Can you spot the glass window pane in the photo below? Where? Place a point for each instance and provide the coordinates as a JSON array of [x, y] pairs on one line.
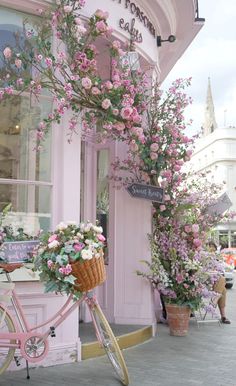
[[103, 192], [233, 239], [30, 205], [224, 239], [18, 160]]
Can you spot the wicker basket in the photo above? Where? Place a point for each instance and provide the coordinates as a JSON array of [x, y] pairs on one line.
[[89, 273]]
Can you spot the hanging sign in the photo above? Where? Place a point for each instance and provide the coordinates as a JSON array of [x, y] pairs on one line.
[[147, 192], [220, 206], [17, 251]]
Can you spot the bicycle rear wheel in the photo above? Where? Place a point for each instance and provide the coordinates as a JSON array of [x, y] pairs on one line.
[[109, 343], [6, 354]]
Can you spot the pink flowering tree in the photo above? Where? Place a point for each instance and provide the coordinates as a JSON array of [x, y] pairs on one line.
[[60, 54], [158, 150]]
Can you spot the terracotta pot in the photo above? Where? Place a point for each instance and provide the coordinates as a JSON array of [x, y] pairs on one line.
[[178, 319]]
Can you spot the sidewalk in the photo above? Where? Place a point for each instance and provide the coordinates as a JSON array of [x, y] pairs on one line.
[[206, 357]]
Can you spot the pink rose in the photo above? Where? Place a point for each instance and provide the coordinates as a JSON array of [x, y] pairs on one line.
[[154, 146], [7, 53], [126, 112], [52, 238], [197, 243], [101, 237], [162, 208], [101, 14], [120, 126], [96, 91], [86, 83], [78, 247], [101, 26], [106, 103], [188, 228], [153, 156]]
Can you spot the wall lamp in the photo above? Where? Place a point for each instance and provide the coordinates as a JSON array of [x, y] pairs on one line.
[[171, 39]]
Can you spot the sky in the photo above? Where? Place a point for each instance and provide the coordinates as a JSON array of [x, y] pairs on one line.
[[211, 54]]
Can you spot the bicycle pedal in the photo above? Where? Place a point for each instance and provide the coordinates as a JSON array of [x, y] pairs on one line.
[[52, 332], [17, 361]]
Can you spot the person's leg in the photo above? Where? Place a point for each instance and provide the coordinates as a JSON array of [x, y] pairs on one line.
[[220, 288]]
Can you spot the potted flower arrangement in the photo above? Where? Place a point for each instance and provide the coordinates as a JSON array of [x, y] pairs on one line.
[[70, 259], [183, 277]]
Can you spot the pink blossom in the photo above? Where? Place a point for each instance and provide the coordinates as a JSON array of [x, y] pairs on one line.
[[106, 103], [197, 242], [52, 238], [126, 112], [154, 146], [48, 62], [101, 14], [7, 52], [195, 228], [120, 126], [49, 263], [101, 237], [86, 83], [78, 247], [101, 26], [95, 91], [162, 208], [188, 228], [153, 156], [108, 85]]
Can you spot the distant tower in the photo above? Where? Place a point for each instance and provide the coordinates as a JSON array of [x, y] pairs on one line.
[[209, 124]]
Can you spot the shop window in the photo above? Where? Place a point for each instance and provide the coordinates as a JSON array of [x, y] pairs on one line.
[[233, 239], [224, 239], [103, 193], [24, 173]]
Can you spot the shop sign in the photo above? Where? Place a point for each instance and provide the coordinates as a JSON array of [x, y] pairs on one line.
[[138, 15], [147, 192], [17, 251]]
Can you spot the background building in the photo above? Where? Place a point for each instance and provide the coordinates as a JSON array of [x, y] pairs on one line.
[[216, 152]]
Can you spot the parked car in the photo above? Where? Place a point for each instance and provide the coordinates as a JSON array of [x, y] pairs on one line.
[[229, 255], [229, 275]]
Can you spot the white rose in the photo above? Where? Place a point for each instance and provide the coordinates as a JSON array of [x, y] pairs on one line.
[[97, 229], [87, 241], [61, 226], [88, 227], [53, 244], [86, 254]]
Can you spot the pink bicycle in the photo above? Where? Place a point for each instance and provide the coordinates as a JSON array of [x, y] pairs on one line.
[[33, 345]]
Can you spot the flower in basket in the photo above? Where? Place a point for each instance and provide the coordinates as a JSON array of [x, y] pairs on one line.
[[62, 254]]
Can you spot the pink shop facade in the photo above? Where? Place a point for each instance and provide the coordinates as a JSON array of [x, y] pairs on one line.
[[70, 181]]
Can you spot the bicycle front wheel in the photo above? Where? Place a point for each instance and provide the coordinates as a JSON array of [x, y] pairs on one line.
[[6, 354], [110, 344]]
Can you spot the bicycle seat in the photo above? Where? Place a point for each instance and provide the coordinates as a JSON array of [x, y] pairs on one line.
[[10, 267]]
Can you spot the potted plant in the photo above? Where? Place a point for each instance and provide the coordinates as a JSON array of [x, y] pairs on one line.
[[70, 259]]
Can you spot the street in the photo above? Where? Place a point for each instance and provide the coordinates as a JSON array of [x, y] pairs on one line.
[[206, 357]]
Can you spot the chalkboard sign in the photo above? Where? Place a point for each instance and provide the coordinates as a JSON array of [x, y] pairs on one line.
[[148, 192], [17, 251]]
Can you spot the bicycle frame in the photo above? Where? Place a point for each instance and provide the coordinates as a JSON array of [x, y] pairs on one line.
[[24, 331]]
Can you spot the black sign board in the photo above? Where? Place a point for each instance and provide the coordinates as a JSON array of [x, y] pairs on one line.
[[17, 251], [148, 192]]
